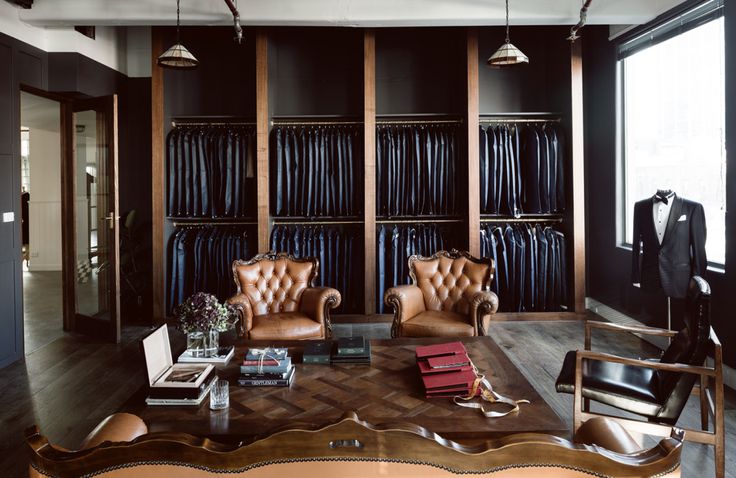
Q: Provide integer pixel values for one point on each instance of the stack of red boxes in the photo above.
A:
(446, 370)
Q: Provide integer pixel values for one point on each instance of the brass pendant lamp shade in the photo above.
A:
(507, 54)
(177, 57)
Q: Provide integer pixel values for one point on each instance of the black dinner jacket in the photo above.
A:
(681, 255)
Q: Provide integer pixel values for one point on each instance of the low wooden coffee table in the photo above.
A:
(387, 391)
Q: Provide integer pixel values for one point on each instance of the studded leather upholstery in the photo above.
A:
(277, 301)
(449, 298)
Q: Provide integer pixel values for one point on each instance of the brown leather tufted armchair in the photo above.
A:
(449, 297)
(277, 299)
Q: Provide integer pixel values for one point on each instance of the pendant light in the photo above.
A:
(177, 57)
(507, 54)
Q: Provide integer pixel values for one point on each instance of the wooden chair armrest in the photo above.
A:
(643, 329)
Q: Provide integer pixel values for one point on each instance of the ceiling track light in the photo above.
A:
(583, 18)
(236, 21)
(177, 57)
(507, 54)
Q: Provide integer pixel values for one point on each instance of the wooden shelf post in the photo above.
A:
(369, 173)
(262, 118)
(578, 175)
(473, 152)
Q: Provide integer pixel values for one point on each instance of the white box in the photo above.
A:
(194, 379)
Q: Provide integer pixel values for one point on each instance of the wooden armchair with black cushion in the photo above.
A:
(450, 297)
(657, 390)
(277, 299)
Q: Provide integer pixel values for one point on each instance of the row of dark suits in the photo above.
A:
(416, 168)
(211, 171)
(200, 260)
(337, 249)
(522, 169)
(396, 243)
(318, 170)
(531, 266)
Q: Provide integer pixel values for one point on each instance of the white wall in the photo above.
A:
(110, 46)
(44, 207)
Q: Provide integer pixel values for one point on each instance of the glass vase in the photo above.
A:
(212, 343)
(196, 344)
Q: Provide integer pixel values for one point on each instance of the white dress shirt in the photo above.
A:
(661, 212)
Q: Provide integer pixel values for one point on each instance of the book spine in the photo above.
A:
(316, 359)
(273, 382)
(351, 351)
(255, 370)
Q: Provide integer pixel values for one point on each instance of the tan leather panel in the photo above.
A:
(118, 427)
(433, 323)
(608, 434)
(449, 284)
(274, 286)
(285, 326)
(343, 470)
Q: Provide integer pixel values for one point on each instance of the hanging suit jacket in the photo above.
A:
(681, 255)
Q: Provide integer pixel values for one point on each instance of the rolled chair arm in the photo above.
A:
(118, 427)
(242, 304)
(608, 434)
(407, 302)
(317, 302)
(483, 303)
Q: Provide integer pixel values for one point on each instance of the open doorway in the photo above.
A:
(41, 219)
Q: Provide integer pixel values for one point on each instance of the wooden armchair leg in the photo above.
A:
(704, 402)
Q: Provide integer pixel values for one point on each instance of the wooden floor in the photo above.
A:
(69, 385)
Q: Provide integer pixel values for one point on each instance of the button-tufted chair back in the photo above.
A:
(448, 280)
(274, 283)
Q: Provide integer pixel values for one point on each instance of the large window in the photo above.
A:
(672, 126)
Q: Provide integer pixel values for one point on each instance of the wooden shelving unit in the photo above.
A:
(574, 226)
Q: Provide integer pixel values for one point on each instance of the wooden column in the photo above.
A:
(578, 175)
(369, 171)
(157, 178)
(262, 117)
(473, 152)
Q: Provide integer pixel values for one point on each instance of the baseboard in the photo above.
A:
(617, 317)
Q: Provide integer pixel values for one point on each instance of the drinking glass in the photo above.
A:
(220, 395)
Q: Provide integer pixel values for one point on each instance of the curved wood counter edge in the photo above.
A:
(351, 439)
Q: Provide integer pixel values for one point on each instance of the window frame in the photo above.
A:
(651, 34)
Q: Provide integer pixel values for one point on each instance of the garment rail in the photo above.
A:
(519, 120)
(175, 123)
(314, 123)
(418, 221)
(314, 223)
(214, 223)
(535, 220)
(418, 122)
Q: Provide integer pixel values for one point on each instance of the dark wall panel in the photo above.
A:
(30, 69)
(134, 140)
(8, 324)
(609, 265)
(222, 84)
(6, 98)
(316, 71)
(7, 204)
(539, 86)
(420, 70)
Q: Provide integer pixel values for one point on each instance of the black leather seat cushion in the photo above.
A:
(622, 386)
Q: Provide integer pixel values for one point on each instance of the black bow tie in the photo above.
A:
(659, 198)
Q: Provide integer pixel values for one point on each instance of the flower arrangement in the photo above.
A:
(202, 312)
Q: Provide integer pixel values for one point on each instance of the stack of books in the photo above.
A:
(266, 367)
(355, 350)
(446, 369)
